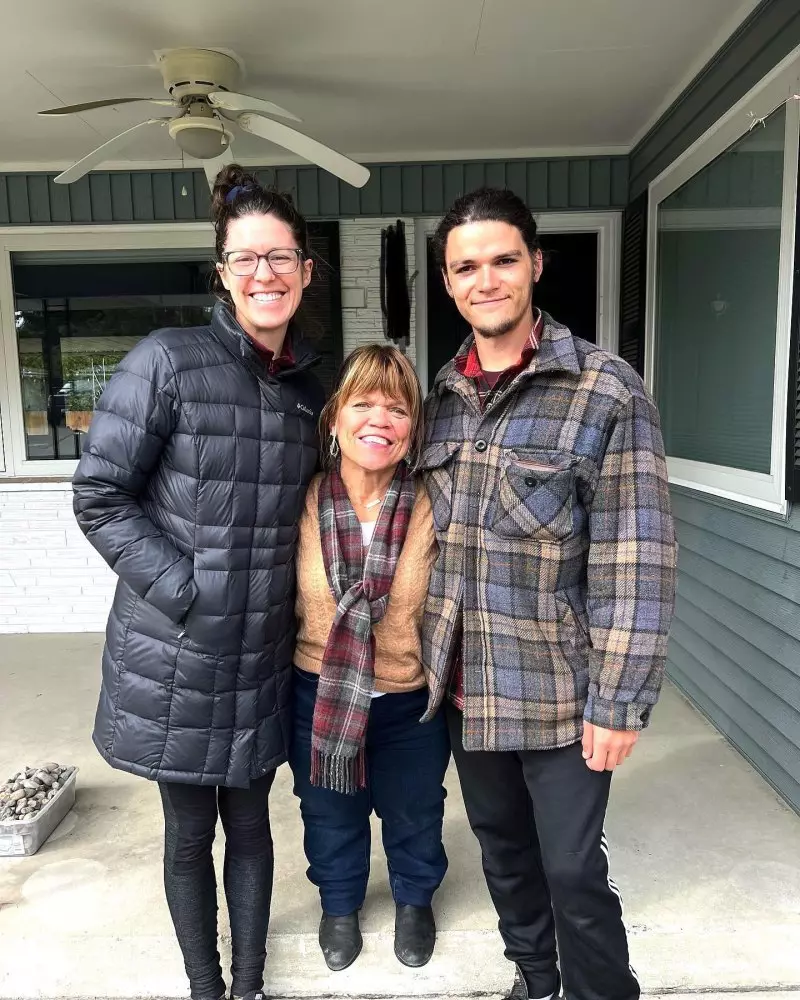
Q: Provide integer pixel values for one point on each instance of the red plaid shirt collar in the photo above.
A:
(469, 364)
(275, 364)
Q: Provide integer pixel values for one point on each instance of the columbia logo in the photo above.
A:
(305, 409)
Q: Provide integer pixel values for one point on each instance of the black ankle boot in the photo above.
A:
(414, 935)
(340, 940)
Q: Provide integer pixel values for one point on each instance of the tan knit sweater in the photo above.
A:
(398, 665)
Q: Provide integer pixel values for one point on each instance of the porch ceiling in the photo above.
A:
(382, 79)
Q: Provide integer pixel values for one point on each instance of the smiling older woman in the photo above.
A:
(364, 558)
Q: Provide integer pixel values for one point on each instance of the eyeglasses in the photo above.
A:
(244, 263)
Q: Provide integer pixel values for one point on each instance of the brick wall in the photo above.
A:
(51, 579)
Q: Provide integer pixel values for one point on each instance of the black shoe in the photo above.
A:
(340, 940)
(252, 995)
(519, 991)
(414, 935)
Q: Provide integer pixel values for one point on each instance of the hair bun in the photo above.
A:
(230, 177)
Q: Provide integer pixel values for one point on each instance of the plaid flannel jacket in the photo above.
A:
(556, 569)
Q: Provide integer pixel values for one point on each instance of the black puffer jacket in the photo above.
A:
(191, 485)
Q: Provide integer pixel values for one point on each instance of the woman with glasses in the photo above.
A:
(191, 486)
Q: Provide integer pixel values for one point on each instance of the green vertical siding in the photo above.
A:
(592, 183)
(735, 641)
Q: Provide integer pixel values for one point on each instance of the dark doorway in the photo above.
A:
(567, 290)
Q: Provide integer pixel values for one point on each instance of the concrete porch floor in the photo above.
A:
(706, 855)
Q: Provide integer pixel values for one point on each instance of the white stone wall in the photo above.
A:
(360, 248)
(51, 579)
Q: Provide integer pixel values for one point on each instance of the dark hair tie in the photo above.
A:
(236, 190)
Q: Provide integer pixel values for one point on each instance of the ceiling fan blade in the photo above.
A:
(243, 102)
(97, 156)
(335, 163)
(213, 167)
(74, 109)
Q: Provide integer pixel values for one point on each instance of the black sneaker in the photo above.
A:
(340, 940)
(519, 991)
(252, 995)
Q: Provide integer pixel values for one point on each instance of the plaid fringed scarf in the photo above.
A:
(360, 586)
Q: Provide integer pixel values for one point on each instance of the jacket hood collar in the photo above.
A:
(227, 328)
(556, 353)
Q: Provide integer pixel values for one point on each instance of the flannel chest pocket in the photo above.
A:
(536, 495)
(437, 467)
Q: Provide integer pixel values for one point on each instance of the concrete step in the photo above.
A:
(466, 963)
(732, 995)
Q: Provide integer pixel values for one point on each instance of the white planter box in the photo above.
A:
(22, 837)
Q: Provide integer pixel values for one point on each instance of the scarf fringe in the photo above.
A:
(346, 775)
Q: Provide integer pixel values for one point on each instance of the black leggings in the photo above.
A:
(190, 819)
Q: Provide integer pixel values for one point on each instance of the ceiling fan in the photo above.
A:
(202, 87)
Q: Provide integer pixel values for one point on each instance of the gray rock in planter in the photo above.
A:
(30, 812)
(31, 788)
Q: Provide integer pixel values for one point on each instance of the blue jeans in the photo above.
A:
(406, 763)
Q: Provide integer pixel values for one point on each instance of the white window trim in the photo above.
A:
(180, 236)
(607, 225)
(764, 491)
(681, 219)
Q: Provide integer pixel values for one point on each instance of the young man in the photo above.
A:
(546, 624)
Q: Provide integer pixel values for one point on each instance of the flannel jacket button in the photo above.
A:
(481, 445)
(530, 481)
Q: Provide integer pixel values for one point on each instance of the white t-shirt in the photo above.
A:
(367, 531)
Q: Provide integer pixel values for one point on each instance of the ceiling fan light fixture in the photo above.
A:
(203, 84)
(204, 139)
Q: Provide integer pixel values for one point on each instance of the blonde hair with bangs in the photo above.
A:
(379, 368)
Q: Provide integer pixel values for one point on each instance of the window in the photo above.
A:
(75, 319)
(721, 248)
(75, 300)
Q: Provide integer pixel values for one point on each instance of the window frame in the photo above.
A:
(14, 464)
(760, 490)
